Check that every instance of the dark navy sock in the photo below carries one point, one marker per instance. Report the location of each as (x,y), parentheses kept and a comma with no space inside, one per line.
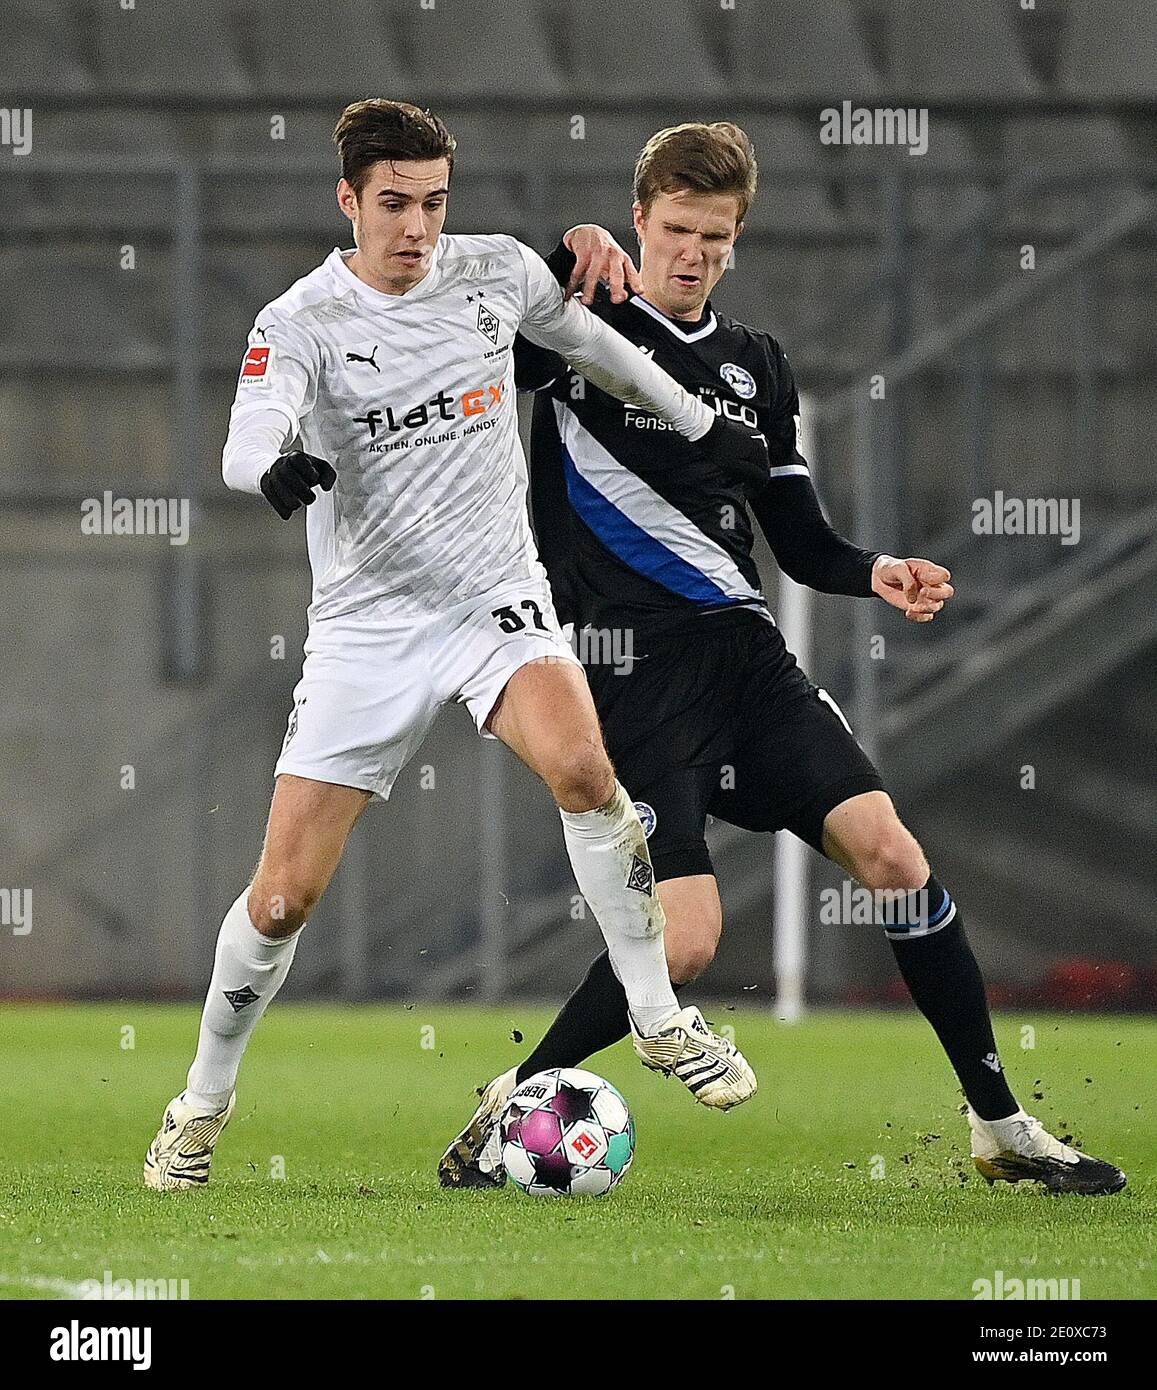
(594,1017)
(926,932)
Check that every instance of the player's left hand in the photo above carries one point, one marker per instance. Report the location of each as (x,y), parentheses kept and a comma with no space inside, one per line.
(598,256)
(918,588)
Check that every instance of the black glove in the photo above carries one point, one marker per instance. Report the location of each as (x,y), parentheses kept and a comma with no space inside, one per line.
(740,453)
(290,480)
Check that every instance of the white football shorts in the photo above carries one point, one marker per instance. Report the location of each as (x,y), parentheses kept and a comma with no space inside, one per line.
(374,680)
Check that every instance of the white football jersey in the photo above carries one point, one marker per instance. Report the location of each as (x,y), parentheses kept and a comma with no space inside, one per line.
(411,399)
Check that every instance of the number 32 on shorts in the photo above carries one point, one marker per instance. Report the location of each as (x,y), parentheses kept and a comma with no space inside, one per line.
(510,621)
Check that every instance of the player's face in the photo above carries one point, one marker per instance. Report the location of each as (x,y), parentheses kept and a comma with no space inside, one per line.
(397,219)
(685,241)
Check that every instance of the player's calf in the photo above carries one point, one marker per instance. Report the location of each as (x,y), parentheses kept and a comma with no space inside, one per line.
(694,924)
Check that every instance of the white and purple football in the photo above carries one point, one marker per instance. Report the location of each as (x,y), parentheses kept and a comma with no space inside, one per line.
(567,1133)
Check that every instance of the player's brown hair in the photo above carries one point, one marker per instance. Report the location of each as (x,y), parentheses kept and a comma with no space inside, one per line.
(375,129)
(706,158)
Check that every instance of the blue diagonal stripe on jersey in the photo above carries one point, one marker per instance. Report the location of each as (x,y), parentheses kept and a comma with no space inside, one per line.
(632,545)
(650,540)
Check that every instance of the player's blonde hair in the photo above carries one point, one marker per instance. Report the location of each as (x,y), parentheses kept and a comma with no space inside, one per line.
(705,158)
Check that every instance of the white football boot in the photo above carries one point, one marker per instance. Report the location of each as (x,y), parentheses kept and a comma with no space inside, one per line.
(179,1157)
(474,1159)
(1020,1149)
(714,1070)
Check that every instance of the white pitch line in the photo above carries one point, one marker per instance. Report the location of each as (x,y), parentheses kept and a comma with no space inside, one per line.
(61,1287)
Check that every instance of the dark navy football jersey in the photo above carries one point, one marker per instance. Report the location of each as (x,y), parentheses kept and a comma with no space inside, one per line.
(635,526)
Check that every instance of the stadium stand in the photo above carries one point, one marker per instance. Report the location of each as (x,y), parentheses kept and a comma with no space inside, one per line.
(465,51)
(38,54)
(490,189)
(1110,50)
(798,48)
(951,51)
(71,309)
(795,195)
(258,184)
(649,52)
(358,58)
(1076,165)
(136,48)
(1054,126)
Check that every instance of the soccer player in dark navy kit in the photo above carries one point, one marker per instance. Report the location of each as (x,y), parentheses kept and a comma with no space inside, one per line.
(704,709)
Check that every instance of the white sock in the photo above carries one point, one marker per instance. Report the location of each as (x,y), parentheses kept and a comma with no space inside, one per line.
(608,853)
(245,964)
(1004,1131)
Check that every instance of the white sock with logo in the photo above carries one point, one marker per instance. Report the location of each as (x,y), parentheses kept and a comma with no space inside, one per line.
(248,970)
(608,853)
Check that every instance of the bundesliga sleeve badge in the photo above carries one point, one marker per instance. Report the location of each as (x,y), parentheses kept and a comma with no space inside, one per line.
(255,366)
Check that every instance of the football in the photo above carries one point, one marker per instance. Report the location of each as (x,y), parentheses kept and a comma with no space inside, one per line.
(567,1133)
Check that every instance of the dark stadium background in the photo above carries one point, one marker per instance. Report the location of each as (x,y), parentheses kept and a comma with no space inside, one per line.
(152,131)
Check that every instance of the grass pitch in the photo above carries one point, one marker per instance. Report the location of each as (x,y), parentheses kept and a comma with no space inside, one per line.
(846,1177)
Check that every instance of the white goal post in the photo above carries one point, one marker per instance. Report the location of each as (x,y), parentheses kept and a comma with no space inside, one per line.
(792,908)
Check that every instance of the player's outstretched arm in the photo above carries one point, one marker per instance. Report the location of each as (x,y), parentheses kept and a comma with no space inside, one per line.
(805,546)
(808,550)
(586,257)
(612,363)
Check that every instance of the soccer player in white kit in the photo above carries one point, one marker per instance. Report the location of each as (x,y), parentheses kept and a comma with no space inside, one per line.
(392,367)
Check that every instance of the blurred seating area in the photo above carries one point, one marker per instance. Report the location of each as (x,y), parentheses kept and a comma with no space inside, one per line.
(534,50)
(181,175)
(1048,114)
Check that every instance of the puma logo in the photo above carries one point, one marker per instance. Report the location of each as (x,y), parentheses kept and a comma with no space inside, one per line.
(357,357)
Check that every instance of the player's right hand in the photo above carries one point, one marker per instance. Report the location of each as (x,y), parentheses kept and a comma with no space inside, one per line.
(599,259)
(288,483)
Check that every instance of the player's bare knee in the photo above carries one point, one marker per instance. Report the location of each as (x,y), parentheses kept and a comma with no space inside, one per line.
(280,904)
(895,860)
(583,779)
